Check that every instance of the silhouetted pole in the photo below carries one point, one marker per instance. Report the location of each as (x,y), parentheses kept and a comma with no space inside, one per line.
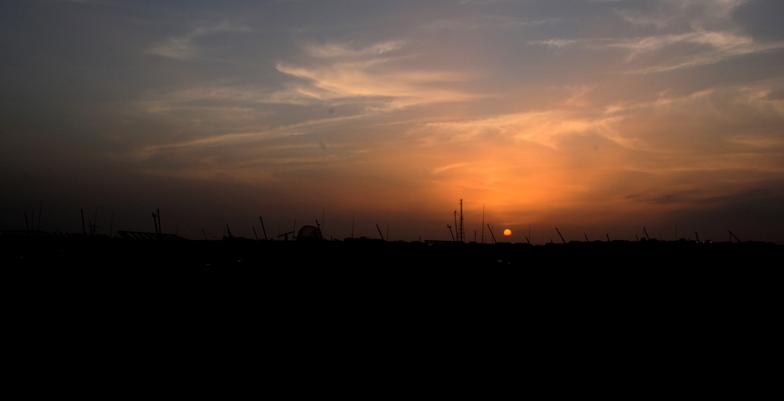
(491,233)
(586,237)
(262,227)
(462,230)
(228,231)
(379,233)
(608,237)
(254,233)
(731,234)
(483,223)
(559,234)
(204,233)
(527,240)
(646,233)
(450,232)
(697,236)
(457,232)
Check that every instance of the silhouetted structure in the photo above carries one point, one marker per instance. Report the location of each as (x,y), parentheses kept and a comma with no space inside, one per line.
(309,233)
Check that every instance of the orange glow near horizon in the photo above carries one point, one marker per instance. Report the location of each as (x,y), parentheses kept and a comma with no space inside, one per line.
(665,114)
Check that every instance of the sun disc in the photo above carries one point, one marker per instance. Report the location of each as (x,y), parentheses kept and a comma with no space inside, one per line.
(507,232)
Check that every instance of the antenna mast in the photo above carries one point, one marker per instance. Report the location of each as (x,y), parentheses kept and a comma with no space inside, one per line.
(457,228)
(461,235)
(483,224)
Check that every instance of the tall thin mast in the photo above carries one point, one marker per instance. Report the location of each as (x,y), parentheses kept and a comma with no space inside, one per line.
(462,230)
(483,223)
(262,227)
(457,228)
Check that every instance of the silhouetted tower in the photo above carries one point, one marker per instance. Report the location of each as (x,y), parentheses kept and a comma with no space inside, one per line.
(461,232)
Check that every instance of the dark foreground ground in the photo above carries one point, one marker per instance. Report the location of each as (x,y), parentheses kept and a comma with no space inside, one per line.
(64,251)
(637,315)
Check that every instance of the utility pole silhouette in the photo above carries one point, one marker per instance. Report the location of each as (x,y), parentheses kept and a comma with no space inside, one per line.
(461,235)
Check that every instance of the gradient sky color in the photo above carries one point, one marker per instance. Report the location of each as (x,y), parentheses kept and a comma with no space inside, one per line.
(594,116)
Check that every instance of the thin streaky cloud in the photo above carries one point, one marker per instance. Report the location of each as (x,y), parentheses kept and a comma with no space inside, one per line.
(441,169)
(484,22)
(556,43)
(185,48)
(339,76)
(330,50)
(246,137)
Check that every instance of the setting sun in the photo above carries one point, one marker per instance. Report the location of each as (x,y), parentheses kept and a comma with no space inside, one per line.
(507,232)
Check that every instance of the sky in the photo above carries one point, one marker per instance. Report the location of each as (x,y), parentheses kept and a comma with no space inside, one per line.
(599,117)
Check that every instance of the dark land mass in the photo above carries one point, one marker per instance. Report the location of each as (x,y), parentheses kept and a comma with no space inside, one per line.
(566,303)
(47,250)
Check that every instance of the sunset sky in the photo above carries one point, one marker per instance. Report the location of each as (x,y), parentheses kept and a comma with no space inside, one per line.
(594,116)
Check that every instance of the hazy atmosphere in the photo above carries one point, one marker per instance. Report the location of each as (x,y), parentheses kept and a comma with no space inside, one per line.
(594,116)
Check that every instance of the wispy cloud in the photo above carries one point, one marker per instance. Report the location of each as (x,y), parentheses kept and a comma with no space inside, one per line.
(556,43)
(689,34)
(707,48)
(472,23)
(540,127)
(185,47)
(675,14)
(333,49)
(441,169)
(746,142)
(338,72)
